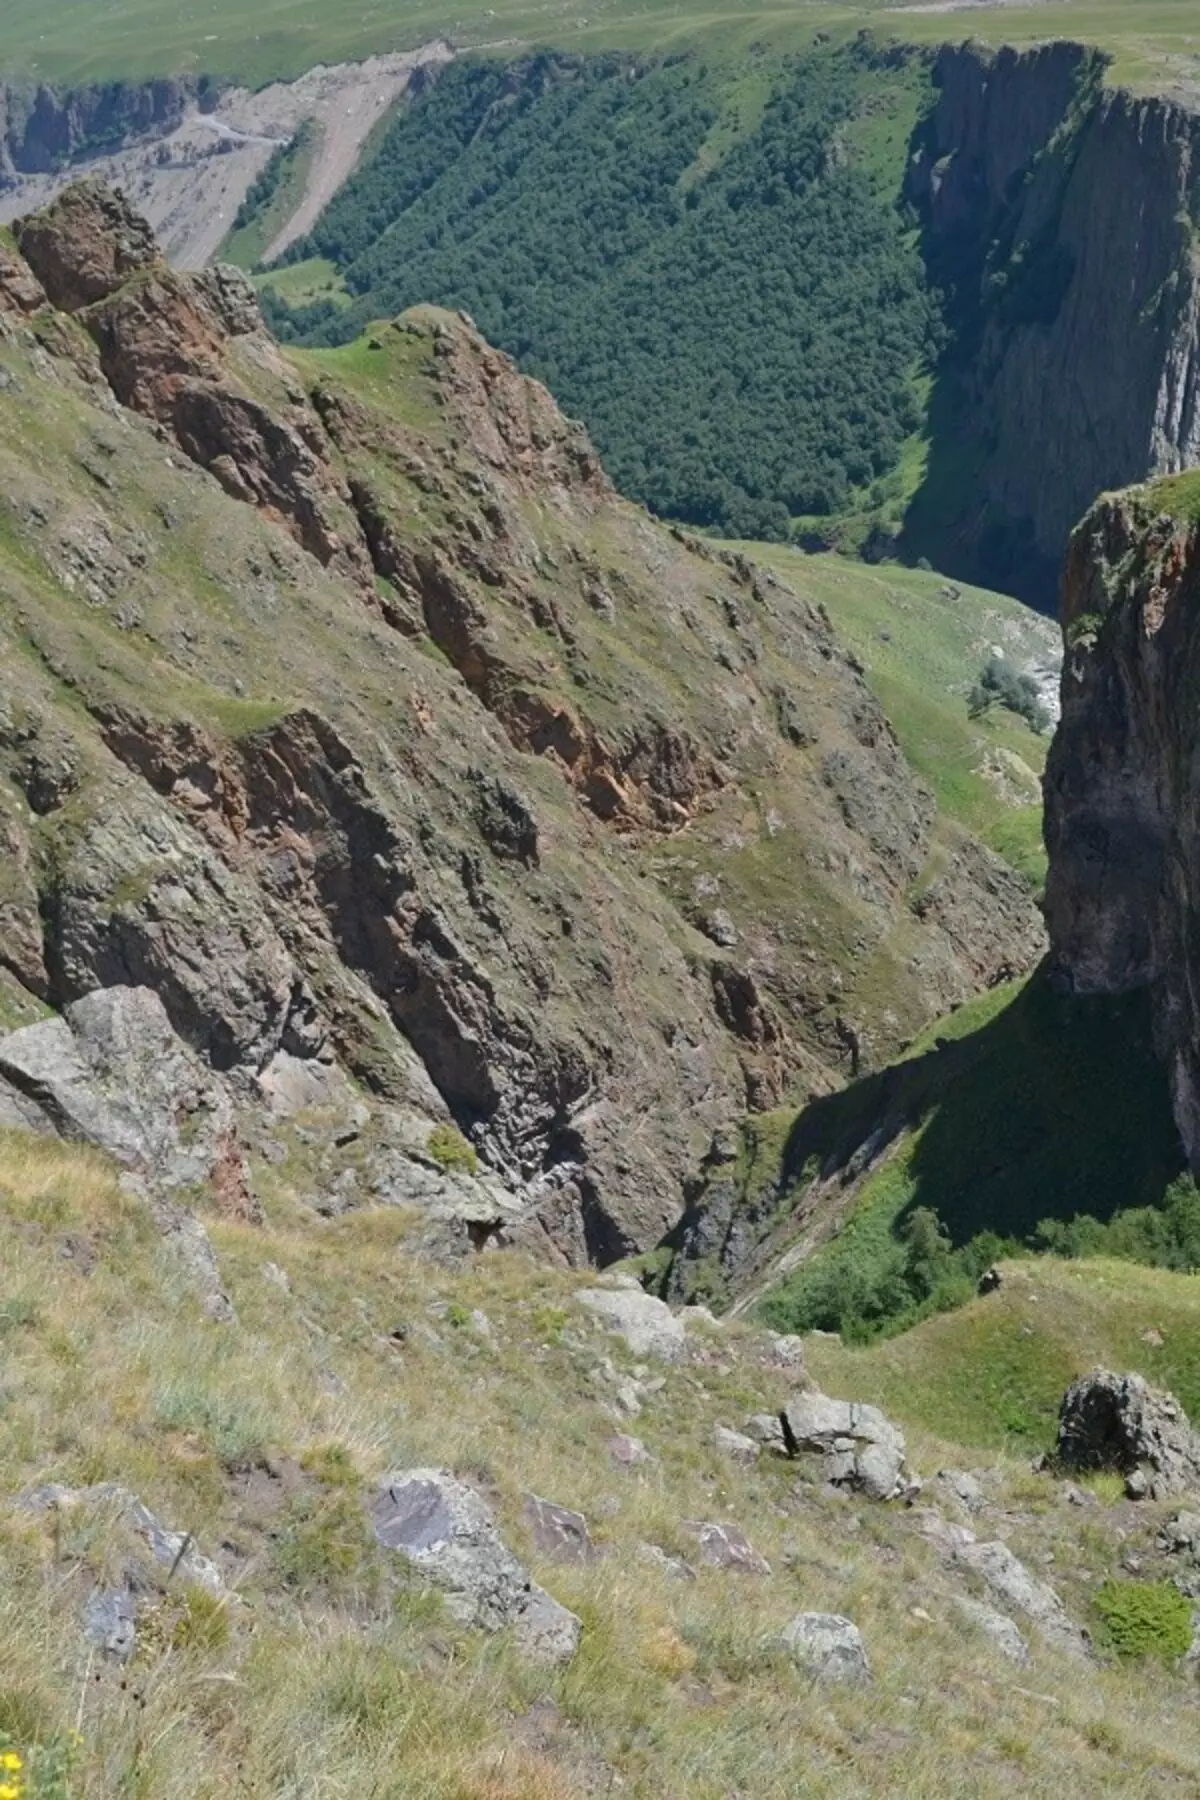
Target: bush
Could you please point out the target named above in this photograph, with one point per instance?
(1000, 684)
(451, 1151)
(1143, 1618)
(1164, 1237)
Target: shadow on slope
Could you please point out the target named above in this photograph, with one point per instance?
(884, 1201)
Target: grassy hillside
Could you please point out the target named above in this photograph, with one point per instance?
(991, 1375)
(922, 642)
(324, 1672)
(1153, 43)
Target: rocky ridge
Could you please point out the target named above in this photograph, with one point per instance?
(353, 714)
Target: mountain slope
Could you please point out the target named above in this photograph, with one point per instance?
(350, 709)
(291, 1654)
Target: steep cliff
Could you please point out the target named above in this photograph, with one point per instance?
(43, 128)
(1122, 797)
(1060, 221)
(346, 706)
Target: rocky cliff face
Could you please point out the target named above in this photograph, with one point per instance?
(1062, 217)
(44, 128)
(346, 707)
(1122, 800)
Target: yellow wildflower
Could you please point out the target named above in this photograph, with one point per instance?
(9, 1791)
(10, 1762)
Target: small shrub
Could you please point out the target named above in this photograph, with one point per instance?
(451, 1151)
(1000, 684)
(326, 1547)
(332, 1465)
(42, 1773)
(1143, 1618)
(548, 1324)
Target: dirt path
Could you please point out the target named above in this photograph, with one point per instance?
(191, 183)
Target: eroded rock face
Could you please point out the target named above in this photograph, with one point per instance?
(1121, 788)
(1120, 1422)
(1080, 384)
(86, 246)
(111, 1072)
(384, 722)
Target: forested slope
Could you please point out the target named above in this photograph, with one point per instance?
(708, 264)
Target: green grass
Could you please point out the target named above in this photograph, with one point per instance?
(303, 282)
(990, 1375)
(268, 208)
(329, 1671)
(1175, 494)
(78, 40)
(1024, 1107)
(921, 651)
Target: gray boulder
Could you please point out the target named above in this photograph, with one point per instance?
(171, 1552)
(1120, 1422)
(995, 1626)
(726, 1547)
(1011, 1582)
(735, 1445)
(446, 1531)
(558, 1532)
(110, 1622)
(829, 1646)
(648, 1325)
(112, 1072)
(861, 1448)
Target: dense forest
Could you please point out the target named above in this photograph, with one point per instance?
(716, 278)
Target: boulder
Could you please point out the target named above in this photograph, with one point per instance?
(111, 1072)
(558, 1532)
(861, 1448)
(110, 1622)
(174, 1552)
(965, 1487)
(1011, 1582)
(786, 1350)
(447, 1532)
(648, 1325)
(628, 1452)
(1120, 1422)
(726, 1547)
(735, 1445)
(767, 1429)
(828, 1646)
(995, 1626)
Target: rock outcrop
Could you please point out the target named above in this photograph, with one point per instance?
(1058, 210)
(1122, 799)
(447, 1533)
(860, 1448)
(1120, 1422)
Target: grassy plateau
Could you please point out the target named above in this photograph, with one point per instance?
(1153, 42)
